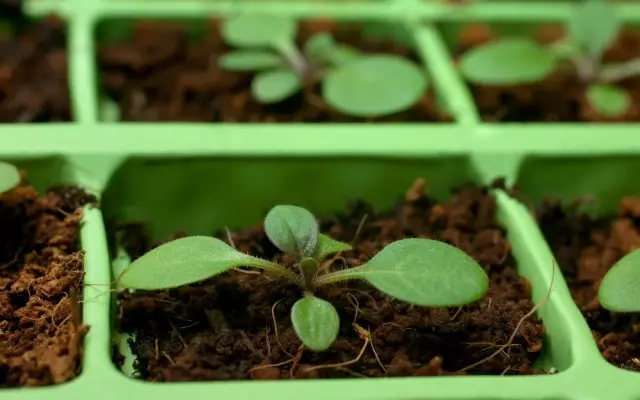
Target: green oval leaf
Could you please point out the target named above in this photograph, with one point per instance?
(374, 86)
(316, 322)
(275, 85)
(327, 245)
(593, 26)
(9, 177)
(245, 60)
(426, 272)
(292, 229)
(253, 30)
(620, 288)
(319, 46)
(509, 61)
(608, 100)
(187, 260)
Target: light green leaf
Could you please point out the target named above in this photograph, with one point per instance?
(426, 272)
(327, 245)
(275, 85)
(620, 289)
(253, 30)
(608, 100)
(593, 26)
(247, 60)
(510, 61)
(319, 47)
(316, 322)
(614, 72)
(292, 229)
(374, 85)
(188, 260)
(9, 177)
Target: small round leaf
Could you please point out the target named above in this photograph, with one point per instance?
(426, 272)
(253, 30)
(374, 86)
(608, 100)
(509, 61)
(292, 229)
(316, 322)
(9, 177)
(275, 86)
(620, 289)
(246, 60)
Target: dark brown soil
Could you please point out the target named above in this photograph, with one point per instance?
(223, 329)
(561, 97)
(159, 76)
(586, 247)
(41, 271)
(33, 72)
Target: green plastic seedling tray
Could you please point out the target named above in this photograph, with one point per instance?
(199, 177)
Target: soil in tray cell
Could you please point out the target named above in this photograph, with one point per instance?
(586, 247)
(223, 329)
(41, 270)
(158, 75)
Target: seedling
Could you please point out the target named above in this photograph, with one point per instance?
(521, 60)
(352, 82)
(9, 177)
(424, 272)
(620, 288)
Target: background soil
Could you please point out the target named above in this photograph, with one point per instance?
(561, 97)
(586, 248)
(41, 270)
(223, 328)
(159, 76)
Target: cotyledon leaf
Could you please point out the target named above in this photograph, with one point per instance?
(619, 290)
(9, 177)
(316, 322)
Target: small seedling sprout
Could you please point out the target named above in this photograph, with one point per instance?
(424, 272)
(591, 29)
(357, 84)
(619, 290)
(9, 177)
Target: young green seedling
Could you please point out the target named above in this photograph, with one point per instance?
(424, 272)
(620, 288)
(521, 60)
(9, 177)
(353, 83)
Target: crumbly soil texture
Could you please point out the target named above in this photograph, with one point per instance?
(159, 75)
(559, 98)
(33, 70)
(586, 248)
(41, 271)
(224, 329)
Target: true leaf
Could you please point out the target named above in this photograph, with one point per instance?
(620, 288)
(292, 229)
(316, 322)
(510, 61)
(426, 272)
(593, 26)
(608, 100)
(373, 86)
(319, 46)
(275, 85)
(247, 60)
(9, 177)
(187, 260)
(327, 245)
(253, 30)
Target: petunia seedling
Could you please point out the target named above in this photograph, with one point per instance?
(620, 288)
(591, 29)
(424, 272)
(353, 83)
(9, 177)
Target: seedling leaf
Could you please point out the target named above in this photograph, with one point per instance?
(426, 272)
(327, 245)
(9, 177)
(374, 86)
(593, 26)
(246, 60)
(187, 260)
(316, 322)
(608, 100)
(292, 229)
(253, 30)
(620, 289)
(275, 85)
(319, 46)
(510, 61)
